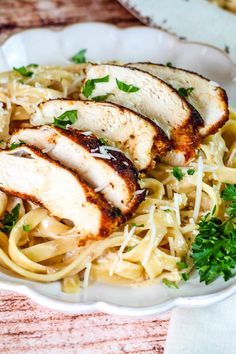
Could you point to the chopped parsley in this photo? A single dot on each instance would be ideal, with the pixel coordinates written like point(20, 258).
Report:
point(229, 195)
point(79, 57)
point(26, 227)
point(15, 145)
point(178, 173)
point(169, 64)
point(167, 210)
point(185, 92)
point(103, 141)
point(102, 98)
point(190, 171)
point(32, 65)
point(185, 276)
point(129, 248)
point(126, 87)
point(23, 71)
point(116, 212)
point(170, 284)
point(10, 219)
point(181, 265)
point(66, 119)
point(136, 225)
point(90, 85)
point(214, 248)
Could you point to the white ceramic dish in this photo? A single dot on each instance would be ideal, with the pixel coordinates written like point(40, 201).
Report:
point(194, 20)
point(106, 42)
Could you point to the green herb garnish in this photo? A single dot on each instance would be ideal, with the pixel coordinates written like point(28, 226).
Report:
point(32, 65)
point(229, 195)
point(16, 144)
point(214, 248)
point(102, 98)
point(26, 227)
point(136, 225)
point(182, 265)
point(185, 276)
point(103, 141)
point(129, 248)
point(190, 171)
point(170, 284)
point(185, 92)
point(79, 57)
point(116, 212)
point(90, 85)
point(23, 71)
point(65, 119)
point(11, 218)
point(126, 87)
point(178, 173)
point(169, 64)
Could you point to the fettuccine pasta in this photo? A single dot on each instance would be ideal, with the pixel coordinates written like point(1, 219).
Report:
point(150, 245)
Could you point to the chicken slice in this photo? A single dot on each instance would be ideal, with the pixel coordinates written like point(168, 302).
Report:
point(27, 173)
point(209, 99)
point(132, 133)
point(151, 97)
point(108, 171)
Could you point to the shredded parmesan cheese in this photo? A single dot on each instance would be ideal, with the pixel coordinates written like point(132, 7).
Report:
point(152, 224)
point(127, 237)
point(111, 148)
point(104, 152)
point(100, 188)
point(139, 191)
point(87, 274)
point(87, 133)
point(177, 202)
point(101, 156)
point(198, 189)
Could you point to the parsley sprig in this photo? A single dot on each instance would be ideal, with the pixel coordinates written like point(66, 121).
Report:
point(90, 85)
point(178, 173)
point(66, 119)
point(229, 195)
point(214, 248)
point(169, 283)
point(79, 57)
point(23, 71)
point(15, 145)
point(126, 87)
point(185, 92)
point(11, 218)
point(102, 98)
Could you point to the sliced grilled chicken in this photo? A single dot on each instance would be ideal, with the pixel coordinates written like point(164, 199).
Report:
point(150, 96)
point(106, 169)
point(209, 99)
point(131, 132)
point(27, 173)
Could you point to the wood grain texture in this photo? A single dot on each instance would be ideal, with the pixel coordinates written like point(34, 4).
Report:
point(24, 326)
point(29, 328)
point(17, 15)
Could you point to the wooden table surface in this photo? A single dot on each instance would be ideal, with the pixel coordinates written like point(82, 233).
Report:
point(24, 326)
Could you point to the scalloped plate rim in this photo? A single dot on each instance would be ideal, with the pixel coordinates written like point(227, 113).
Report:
point(105, 306)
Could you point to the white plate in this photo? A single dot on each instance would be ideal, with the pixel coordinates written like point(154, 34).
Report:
point(195, 20)
point(106, 42)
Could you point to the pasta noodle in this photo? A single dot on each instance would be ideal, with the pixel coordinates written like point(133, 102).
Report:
point(148, 246)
